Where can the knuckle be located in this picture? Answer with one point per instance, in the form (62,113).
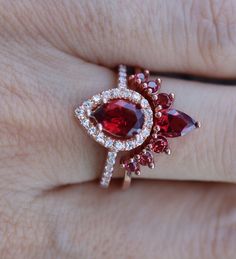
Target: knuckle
(215,30)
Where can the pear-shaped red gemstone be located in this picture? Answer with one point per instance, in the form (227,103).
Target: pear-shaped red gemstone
(120,118)
(174,123)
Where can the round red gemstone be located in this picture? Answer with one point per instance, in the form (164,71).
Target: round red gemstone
(174,123)
(153,86)
(120,118)
(132,166)
(164,100)
(146,158)
(159,144)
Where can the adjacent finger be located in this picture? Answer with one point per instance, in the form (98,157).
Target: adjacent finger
(196,37)
(150,220)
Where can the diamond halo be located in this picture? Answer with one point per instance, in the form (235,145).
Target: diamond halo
(83,114)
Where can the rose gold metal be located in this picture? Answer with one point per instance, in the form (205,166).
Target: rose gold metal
(146,72)
(159,81)
(198,124)
(138,81)
(155,135)
(158,108)
(99,126)
(127,180)
(158,114)
(156,128)
(88,113)
(145,85)
(154,97)
(172,96)
(151,166)
(131,77)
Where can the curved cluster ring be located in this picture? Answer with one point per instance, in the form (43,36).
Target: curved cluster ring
(139,119)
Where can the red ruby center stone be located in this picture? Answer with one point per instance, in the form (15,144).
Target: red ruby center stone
(120,118)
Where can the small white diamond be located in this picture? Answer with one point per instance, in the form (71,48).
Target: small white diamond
(125,94)
(144,103)
(130,145)
(112,154)
(79,112)
(106,95)
(136,97)
(112,157)
(147,112)
(115,93)
(109,168)
(107,175)
(100,138)
(108,143)
(87,104)
(145,133)
(119,145)
(105,181)
(96,98)
(139,140)
(92,130)
(85,123)
(149,123)
(111,160)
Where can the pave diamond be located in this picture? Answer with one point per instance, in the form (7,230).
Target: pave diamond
(96,98)
(108,143)
(119,145)
(144,103)
(92,130)
(85,123)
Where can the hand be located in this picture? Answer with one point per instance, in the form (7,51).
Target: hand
(54,54)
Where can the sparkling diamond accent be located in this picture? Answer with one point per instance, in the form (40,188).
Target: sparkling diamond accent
(108,170)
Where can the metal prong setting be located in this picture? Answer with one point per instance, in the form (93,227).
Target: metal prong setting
(159,81)
(168,151)
(172,96)
(146,72)
(151,165)
(99,126)
(158,114)
(127,180)
(198,124)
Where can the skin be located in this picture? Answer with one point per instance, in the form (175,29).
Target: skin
(54,54)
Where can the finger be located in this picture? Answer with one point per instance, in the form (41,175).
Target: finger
(43,140)
(151,220)
(196,37)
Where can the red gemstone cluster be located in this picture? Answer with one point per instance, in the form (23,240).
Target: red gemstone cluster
(168,122)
